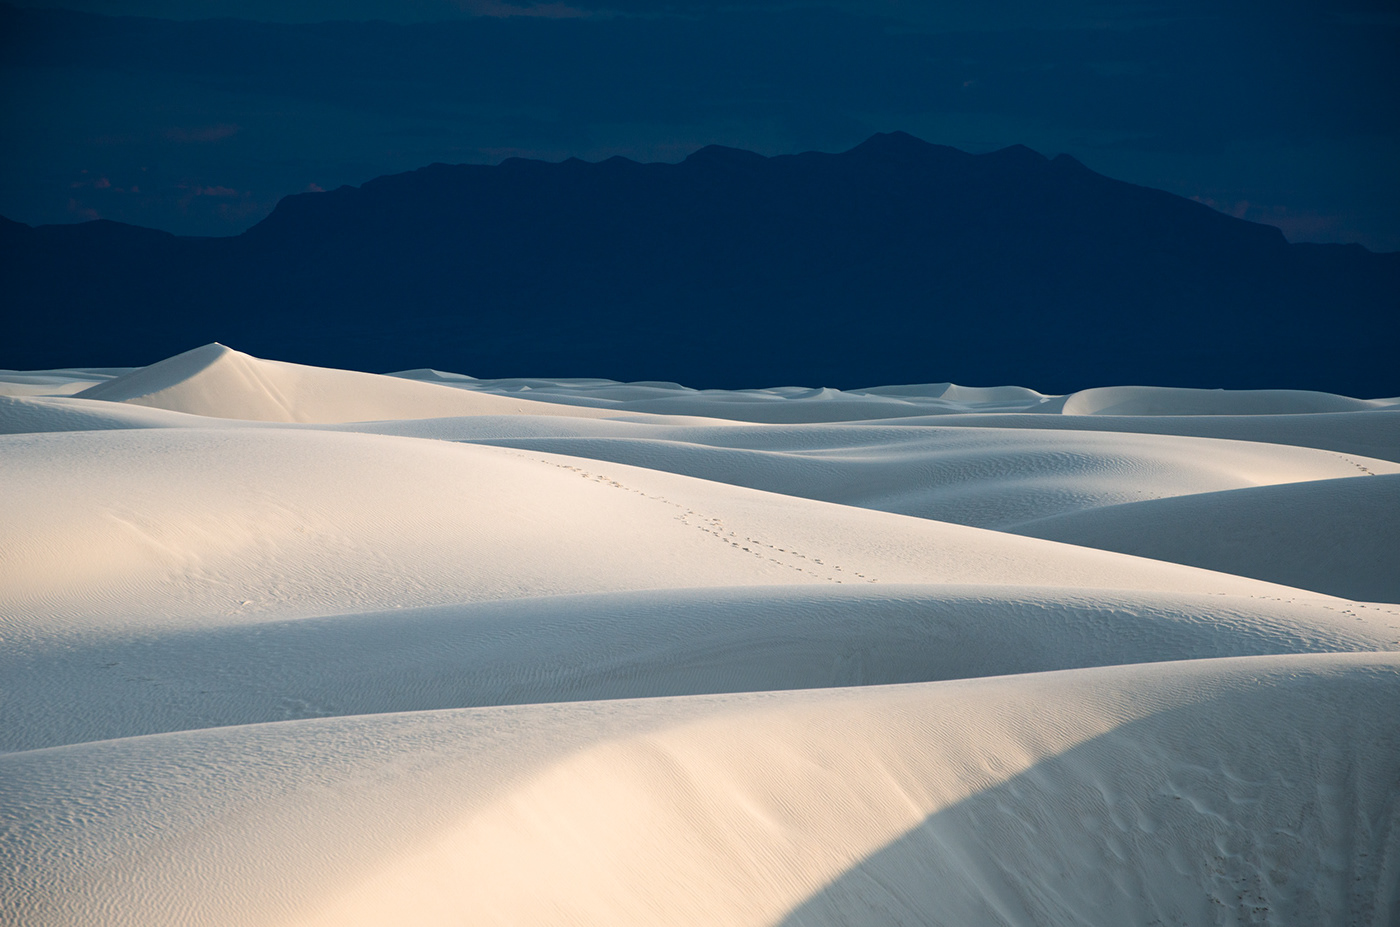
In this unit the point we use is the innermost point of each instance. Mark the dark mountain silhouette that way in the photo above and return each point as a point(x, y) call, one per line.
point(896, 261)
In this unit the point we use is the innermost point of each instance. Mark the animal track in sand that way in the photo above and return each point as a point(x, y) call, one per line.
point(715, 528)
point(1356, 465)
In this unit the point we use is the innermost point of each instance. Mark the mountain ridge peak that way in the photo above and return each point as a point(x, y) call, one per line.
point(899, 260)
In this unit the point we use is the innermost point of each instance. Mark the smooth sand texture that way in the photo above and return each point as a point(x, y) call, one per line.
point(987, 477)
point(284, 645)
point(1336, 536)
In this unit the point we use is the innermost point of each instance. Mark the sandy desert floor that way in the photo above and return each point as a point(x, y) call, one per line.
point(293, 646)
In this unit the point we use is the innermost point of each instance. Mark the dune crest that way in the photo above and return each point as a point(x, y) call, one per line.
point(1161, 400)
point(220, 382)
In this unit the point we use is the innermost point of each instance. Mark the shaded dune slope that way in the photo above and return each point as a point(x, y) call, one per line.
point(631, 645)
point(1335, 536)
point(1179, 792)
point(1368, 434)
point(1154, 400)
point(989, 478)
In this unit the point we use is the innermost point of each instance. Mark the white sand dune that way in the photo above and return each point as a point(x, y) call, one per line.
point(773, 406)
point(989, 478)
point(35, 414)
point(800, 404)
point(287, 645)
point(49, 382)
point(1367, 434)
point(100, 686)
point(1157, 400)
point(1336, 536)
point(1257, 789)
point(225, 525)
point(216, 381)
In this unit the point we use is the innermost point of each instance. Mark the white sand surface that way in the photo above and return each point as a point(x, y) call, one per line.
point(217, 381)
point(1247, 790)
point(801, 404)
point(1367, 434)
point(1156, 400)
point(1336, 536)
point(224, 525)
point(788, 404)
point(286, 645)
point(99, 686)
point(990, 478)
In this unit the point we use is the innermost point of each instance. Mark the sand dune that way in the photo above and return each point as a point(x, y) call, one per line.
point(773, 405)
point(226, 525)
point(100, 686)
point(798, 404)
point(1368, 434)
point(1258, 788)
point(50, 382)
point(216, 381)
point(1156, 400)
point(989, 478)
point(36, 414)
point(1336, 536)
point(286, 645)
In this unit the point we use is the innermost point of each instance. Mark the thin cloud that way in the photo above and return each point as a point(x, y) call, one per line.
point(84, 213)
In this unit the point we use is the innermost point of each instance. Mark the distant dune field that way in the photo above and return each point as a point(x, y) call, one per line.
point(292, 645)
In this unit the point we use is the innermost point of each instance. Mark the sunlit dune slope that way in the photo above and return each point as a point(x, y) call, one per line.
point(226, 525)
point(1257, 788)
point(217, 381)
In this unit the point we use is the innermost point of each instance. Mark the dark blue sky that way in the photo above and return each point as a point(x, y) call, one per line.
point(196, 116)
